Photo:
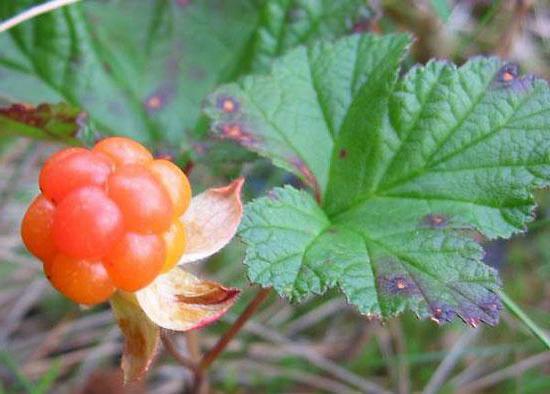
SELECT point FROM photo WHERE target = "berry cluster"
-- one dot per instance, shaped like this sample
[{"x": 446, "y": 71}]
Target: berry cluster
[{"x": 107, "y": 219}]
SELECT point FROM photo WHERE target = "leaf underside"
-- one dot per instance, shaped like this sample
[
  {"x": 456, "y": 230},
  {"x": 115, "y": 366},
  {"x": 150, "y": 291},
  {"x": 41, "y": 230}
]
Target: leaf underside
[
  {"x": 411, "y": 172},
  {"x": 142, "y": 68}
]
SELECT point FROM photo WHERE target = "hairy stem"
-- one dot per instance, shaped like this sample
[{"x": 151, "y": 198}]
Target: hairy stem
[
  {"x": 516, "y": 310},
  {"x": 222, "y": 343}
]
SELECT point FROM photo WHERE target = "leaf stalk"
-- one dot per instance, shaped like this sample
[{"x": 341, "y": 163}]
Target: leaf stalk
[
  {"x": 222, "y": 343},
  {"x": 516, "y": 310}
]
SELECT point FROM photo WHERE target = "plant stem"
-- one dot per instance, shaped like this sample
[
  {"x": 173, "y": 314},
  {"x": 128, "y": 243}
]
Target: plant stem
[
  {"x": 234, "y": 329},
  {"x": 200, "y": 384},
  {"x": 522, "y": 316},
  {"x": 171, "y": 348},
  {"x": 33, "y": 12}
]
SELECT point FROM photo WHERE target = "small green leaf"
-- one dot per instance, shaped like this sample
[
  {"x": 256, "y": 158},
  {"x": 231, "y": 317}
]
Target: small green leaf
[
  {"x": 408, "y": 172},
  {"x": 142, "y": 68}
]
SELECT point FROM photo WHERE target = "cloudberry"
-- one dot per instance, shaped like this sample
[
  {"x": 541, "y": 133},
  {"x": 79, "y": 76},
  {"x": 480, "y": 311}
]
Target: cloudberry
[{"x": 107, "y": 219}]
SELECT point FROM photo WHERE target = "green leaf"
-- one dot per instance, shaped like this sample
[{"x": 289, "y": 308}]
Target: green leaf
[
  {"x": 46, "y": 121},
  {"x": 310, "y": 91},
  {"x": 408, "y": 172},
  {"x": 143, "y": 68}
]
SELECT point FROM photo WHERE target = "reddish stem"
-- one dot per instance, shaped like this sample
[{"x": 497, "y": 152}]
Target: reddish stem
[
  {"x": 171, "y": 348},
  {"x": 222, "y": 343}
]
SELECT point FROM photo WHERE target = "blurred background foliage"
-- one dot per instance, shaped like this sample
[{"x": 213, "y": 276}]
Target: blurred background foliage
[{"x": 142, "y": 69}]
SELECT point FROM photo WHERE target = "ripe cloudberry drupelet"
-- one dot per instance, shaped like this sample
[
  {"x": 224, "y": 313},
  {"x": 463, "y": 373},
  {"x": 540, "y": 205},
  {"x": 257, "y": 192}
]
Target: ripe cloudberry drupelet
[{"x": 107, "y": 219}]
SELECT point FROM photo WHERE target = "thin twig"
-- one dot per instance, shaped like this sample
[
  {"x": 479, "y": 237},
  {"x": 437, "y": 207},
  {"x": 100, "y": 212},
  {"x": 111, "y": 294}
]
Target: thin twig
[
  {"x": 318, "y": 382},
  {"x": 234, "y": 329},
  {"x": 508, "y": 372},
  {"x": 33, "y": 12},
  {"x": 403, "y": 373},
  {"x": 477, "y": 368},
  {"x": 447, "y": 365},
  {"x": 385, "y": 345},
  {"x": 30, "y": 296},
  {"x": 514, "y": 28},
  {"x": 315, "y": 316},
  {"x": 314, "y": 358},
  {"x": 171, "y": 348},
  {"x": 200, "y": 384},
  {"x": 52, "y": 339}
]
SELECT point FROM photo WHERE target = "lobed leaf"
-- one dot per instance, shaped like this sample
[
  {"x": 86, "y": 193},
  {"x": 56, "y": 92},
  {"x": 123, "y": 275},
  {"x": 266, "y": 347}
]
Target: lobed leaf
[{"x": 406, "y": 170}]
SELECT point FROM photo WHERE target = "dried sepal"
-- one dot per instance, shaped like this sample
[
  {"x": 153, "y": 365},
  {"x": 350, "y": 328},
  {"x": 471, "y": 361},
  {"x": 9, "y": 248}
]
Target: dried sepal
[
  {"x": 141, "y": 335},
  {"x": 212, "y": 220},
  {"x": 180, "y": 301}
]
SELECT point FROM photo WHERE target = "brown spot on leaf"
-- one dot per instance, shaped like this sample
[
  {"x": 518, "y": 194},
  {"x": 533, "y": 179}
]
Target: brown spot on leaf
[
  {"x": 508, "y": 73},
  {"x": 436, "y": 220},
  {"x": 472, "y": 321},
  {"x": 474, "y": 313},
  {"x": 153, "y": 102},
  {"x": 400, "y": 284},
  {"x": 508, "y": 77},
  {"x": 236, "y": 132},
  {"x": 160, "y": 98},
  {"x": 343, "y": 153},
  {"x": 397, "y": 285},
  {"x": 442, "y": 312},
  {"x": 227, "y": 104},
  {"x": 491, "y": 305}
]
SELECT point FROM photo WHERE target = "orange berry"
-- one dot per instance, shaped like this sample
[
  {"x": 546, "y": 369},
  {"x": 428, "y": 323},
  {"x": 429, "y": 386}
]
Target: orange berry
[
  {"x": 135, "y": 261},
  {"x": 174, "y": 240},
  {"x": 124, "y": 151},
  {"x": 87, "y": 224},
  {"x": 36, "y": 228},
  {"x": 71, "y": 169},
  {"x": 83, "y": 281},
  {"x": 174, "y": 181},
  {"x": 144, "y": 203}
]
